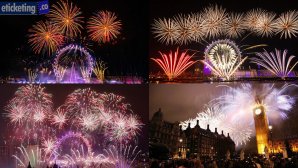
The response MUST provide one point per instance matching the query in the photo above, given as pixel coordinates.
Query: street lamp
(180, 140)
(270, 131)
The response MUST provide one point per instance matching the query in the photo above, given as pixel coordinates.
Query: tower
(262, 130)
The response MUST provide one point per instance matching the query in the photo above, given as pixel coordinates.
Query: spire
(215, 130)
(188, 125)
(208, 127)
(221, 132)
(198, 123)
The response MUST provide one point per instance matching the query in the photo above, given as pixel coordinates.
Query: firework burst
(165, 30)
(265, 25)
(45, 38)
(215, 18)
(123, 128)
(287, 24)
(251, 18)
(184, 32)
(277, 63)
(30, 104)
(104, 27)
(234, 27)
(67, 17)
(241, 100)
(174, 65)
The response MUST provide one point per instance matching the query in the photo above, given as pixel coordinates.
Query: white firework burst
(215, 18)
(265, 25)
(195, 21)
(234, 27)
(238, 102)
(251, 18)
(165, 30)
(184, 31)
(287, 24)
(278, 63)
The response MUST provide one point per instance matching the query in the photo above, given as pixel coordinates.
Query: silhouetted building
(190, 142)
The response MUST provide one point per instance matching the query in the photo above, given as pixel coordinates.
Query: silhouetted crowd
(249, 162)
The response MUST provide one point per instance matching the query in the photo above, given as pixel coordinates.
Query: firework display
(216, 22)
(74, 47)
(233, 110)
(174, 64)
(68, 136)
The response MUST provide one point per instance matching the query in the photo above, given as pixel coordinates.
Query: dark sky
(127, 57)
(180, 102)
(170, 8)
(136, 95)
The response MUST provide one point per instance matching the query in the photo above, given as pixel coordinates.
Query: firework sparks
(234, 27)
(277, 63)
(287, 24)
(165, 30)
(33, 156)
(67, 17)
(59, 119)
(215, 18)
(45, 37)
(174, 65)
(104, 27)
(223, 57)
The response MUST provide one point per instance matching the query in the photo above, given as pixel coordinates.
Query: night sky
(127, 57)
(168, 9)
(180, 102)
(136, 95)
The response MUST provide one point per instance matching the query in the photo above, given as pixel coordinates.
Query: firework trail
(175, 64)
(124, 156)
(265, 25)
(277, 63)
(34, 156)
(165, 30)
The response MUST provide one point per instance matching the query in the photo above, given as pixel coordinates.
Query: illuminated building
(190, 142)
